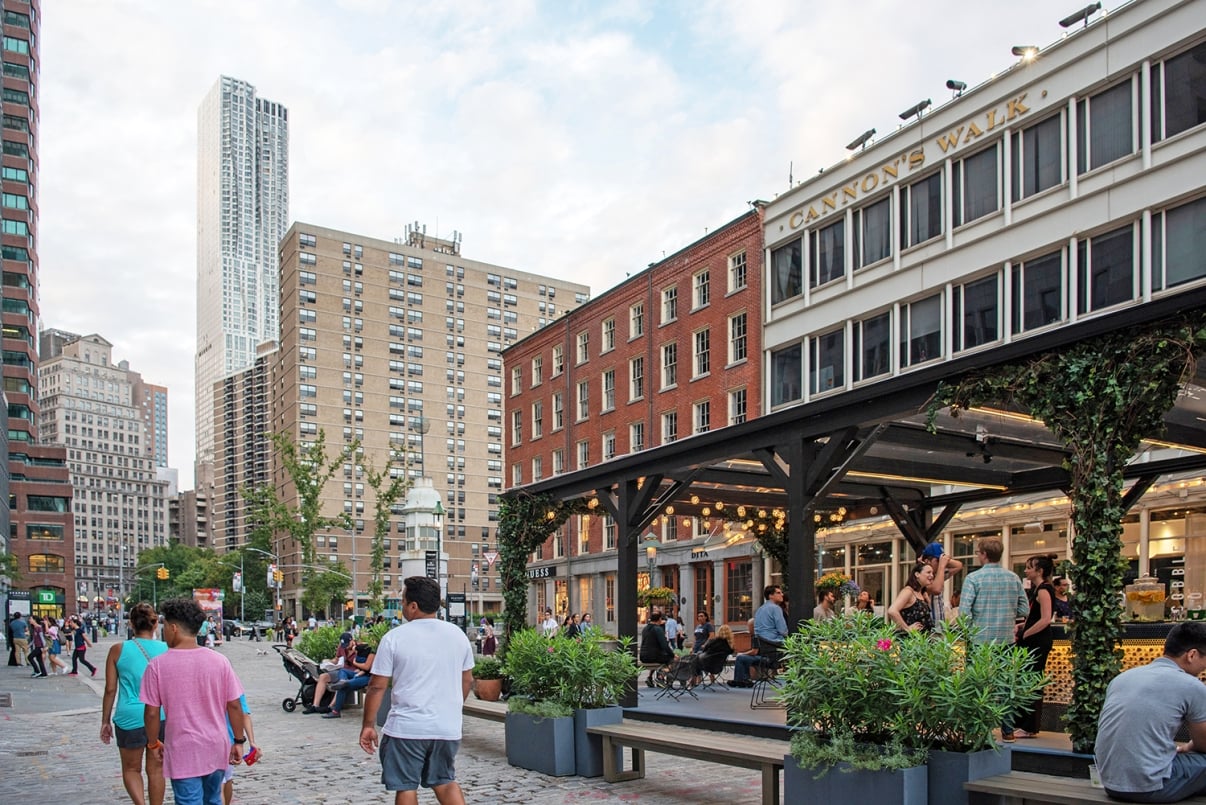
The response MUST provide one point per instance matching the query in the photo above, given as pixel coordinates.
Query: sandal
(1024, 734)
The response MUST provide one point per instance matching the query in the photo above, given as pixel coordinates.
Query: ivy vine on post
(524, 523)
(1100, 397)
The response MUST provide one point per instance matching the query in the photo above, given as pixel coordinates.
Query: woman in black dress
(1035, 635)
(911, 610)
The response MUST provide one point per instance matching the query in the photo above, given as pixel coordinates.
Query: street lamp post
(243, 579)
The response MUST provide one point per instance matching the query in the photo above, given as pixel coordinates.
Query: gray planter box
(545, 745)
(840, 784)
(588, 749)
(948, 771)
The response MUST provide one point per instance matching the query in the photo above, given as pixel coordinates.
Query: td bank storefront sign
(947, 144)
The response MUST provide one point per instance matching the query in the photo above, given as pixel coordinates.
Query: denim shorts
(407, 763)
(130, 739)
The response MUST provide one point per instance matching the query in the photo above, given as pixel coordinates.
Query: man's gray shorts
(407, 763)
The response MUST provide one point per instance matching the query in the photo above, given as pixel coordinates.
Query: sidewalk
(50, 751)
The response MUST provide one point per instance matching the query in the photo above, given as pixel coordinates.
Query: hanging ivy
(1100, 397)
(524, 524)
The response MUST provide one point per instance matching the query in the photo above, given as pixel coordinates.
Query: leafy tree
(388, 488)
(9, 566)
(326, 587)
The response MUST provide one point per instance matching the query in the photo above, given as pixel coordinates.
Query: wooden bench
(491, 711)
(1019, 787)
(743, 751)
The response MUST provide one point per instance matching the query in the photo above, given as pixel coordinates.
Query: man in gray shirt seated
(1138, 756)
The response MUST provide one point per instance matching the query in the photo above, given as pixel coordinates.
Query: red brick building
(670, 352)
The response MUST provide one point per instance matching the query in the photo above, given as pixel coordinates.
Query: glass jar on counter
(1145, 600)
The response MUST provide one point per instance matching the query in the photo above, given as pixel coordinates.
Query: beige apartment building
(399, 344)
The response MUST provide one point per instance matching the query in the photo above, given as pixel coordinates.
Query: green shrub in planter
(487, 668)
(864, 694)
(581, 674)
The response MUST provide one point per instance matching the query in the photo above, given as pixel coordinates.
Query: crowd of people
(38, 641)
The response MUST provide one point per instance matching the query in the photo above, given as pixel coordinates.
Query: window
(16, 45)
(921, 211)
(537, 467)
(9, 227)
(583, 454)
(609, 338)
(636, 437)
(737, 336)
(828, 253)
(636, 320)
(669, 427)
(558, 412)
(873, 346)
(873, 233)
(702, 357)
(827, 358)
(974, 182)
(609, 445)
(1178, 86)
(558, 360)
(1179, 245)
(609, 543)
(1038, 154)
(1038, 293)
(1104, 128)
(558, 462)
(701, 416)
(701, 293)
(583, 400)
(737, 278)
(669, 365)
(516, 474)
(636, 379)
(14, 201)
(977, 313)
(609, 389)
(1105, 268)
(787, 278)
(737, 406)
(921, 331)
(537, 371)
(669, 304)
(537, 419)
(516, 427)
(516, 381)
(787, 366)
(583, 347)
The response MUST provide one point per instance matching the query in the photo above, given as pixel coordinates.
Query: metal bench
(743, 751)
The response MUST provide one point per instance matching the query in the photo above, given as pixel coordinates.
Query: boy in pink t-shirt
(198, 691)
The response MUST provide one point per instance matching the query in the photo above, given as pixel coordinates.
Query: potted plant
(488, 679)
(877, 705)
(842, 585)
(655, 595)
(560, 687)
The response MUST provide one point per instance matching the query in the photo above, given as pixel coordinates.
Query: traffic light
(278, 576)
(163, 573)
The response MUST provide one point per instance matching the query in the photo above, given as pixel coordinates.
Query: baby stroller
(305, 671)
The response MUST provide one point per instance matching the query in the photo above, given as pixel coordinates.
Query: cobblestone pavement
(50, 751)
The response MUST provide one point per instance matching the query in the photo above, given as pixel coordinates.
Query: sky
(580, 140)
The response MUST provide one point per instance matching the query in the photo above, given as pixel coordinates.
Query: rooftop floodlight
(956, 86)
(915, 110)
(1025, 52)
(861, 140)
(1083, 14)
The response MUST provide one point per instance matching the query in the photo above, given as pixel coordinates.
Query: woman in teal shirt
(124, 668)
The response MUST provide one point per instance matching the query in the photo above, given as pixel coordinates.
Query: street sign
(236, 583)
(433, 564)
(490, 556)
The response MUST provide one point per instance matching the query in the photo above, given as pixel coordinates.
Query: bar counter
(1141, 643)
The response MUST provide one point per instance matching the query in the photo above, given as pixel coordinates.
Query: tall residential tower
(242, 213)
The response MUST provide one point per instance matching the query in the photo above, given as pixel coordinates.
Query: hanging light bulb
(816, 518)
(594, 503)
(741, 511)
(705, 511)
(686, 522)
(707, 524)
(762, 513)
(695, 500)
(720, 505)
(551, 515)
(670, 510)
(842, 510)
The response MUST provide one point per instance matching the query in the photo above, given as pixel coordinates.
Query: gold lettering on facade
(829, 202)
(870, 181)
(916, 158)
(890, 170)
(1016, 107)
(796, 219)
(973, 131)
(850, 192)
(812, 215)
(949, 141)
(991, 120)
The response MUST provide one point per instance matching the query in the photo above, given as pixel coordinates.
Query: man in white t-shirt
(430, 662)
(672, 630)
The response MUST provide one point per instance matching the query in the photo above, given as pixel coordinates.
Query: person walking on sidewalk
(430, 662)
(124, 667)
(54, 647)
(80, 644)
(37, 647)
(198, 691)
(20, 637)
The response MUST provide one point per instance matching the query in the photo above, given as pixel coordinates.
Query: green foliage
(524, 524)
(854, 682)
(541, 709)
(319, 644)
(820, 753)
(327, 585)
(9, 566)
(487, 668)
(578, 673)
(388, 489)
(655, 595)
(1100, 398)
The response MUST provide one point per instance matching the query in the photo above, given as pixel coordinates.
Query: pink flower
(884, 645)
(550, 649)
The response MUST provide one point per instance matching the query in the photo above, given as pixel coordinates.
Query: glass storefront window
(739, 599)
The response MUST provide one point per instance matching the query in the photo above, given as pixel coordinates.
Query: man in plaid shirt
(994, 598)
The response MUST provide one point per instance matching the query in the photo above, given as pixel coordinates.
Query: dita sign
(542, 572)
(433, 564)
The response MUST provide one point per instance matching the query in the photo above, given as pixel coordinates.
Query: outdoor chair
(711, 671)
(679, 678)
(769, 664)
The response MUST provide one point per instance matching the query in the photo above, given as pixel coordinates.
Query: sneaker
(41, 676)
(1007, 737)
(94, 672)
(332, 714)
(73, 673)
(307, 709)
(340, 685)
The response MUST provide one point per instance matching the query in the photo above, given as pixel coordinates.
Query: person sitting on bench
(1138, 756)
(770, 630)
(655, 648)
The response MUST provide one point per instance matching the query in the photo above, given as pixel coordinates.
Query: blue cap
(932, 551)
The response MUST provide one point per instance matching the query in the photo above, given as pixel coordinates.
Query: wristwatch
(240, 741)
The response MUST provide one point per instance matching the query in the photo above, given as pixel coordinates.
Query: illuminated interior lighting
(878, 476)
